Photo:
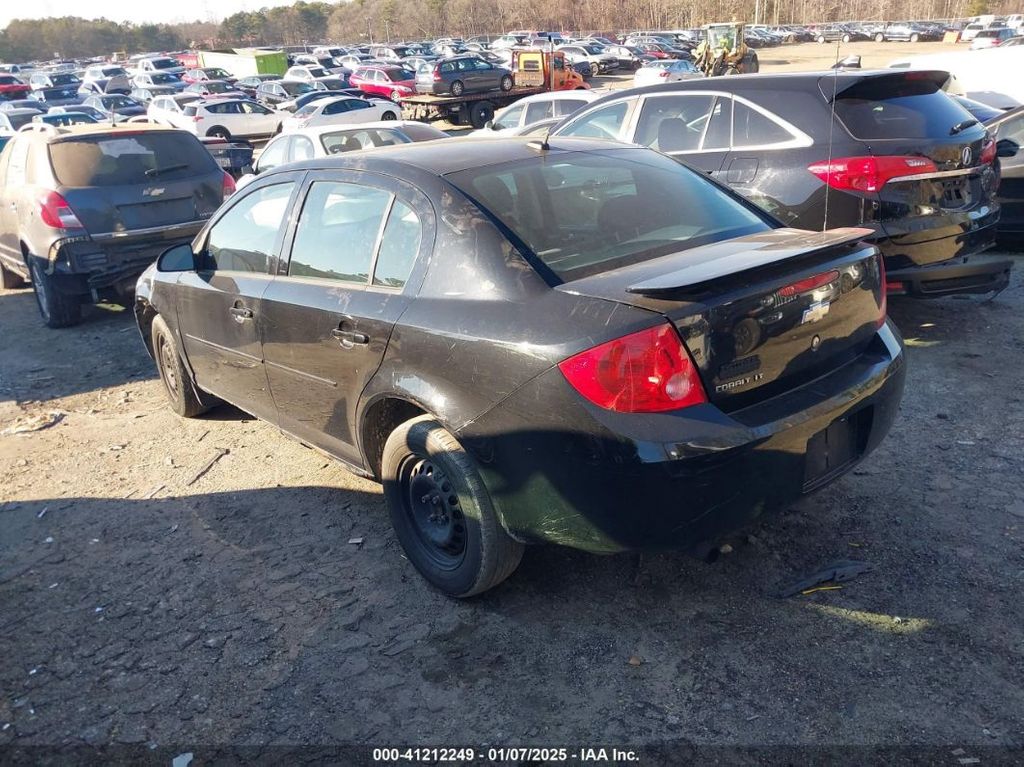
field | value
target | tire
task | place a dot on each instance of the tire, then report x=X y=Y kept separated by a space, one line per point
x=57 y=309
x=182 y=395
x=821 y=38
x=481 y=113
x=915 y=37
x=457 y=88
x=396 y=96
x=846 y=38
x=442 y=513
x=10 y=280
x=389 y=115
x=879 y=38
x=219 y=132
x=507 y=83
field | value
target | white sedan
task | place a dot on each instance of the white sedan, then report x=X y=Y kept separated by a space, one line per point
x=344 y=110
x=665 y=71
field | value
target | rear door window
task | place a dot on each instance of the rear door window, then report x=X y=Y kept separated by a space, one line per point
x=903 y=107
x=140 y=158
x=673 y=123
x=539 y=110
x=338 y=231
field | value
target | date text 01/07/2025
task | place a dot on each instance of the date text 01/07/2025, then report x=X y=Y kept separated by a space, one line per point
x=502 y=754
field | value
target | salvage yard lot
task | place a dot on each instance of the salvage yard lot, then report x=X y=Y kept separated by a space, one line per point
x=144 y=601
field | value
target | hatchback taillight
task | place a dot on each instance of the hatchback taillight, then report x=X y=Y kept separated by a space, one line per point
x=663 y=73
x=228 y=185
x=55 y=212
x=437 y=75
x=988 y=151
x=869 y=174
x=649 y=371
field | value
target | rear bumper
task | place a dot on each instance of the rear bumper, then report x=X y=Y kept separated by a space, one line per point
x=88 y=263
x=605 y=482
x=978 y=274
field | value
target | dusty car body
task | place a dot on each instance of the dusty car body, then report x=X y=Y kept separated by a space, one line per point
x=634 y=376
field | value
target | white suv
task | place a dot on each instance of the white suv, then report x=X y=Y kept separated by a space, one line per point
x=227 y=118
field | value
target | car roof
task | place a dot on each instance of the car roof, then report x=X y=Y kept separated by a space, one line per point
x=320 y=130
x=100 y=129
x=438 y=159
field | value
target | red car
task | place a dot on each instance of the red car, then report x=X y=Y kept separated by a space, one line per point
x=13 y=88
x=389 y=81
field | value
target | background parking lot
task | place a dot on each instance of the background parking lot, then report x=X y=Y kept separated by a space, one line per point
x=147 y=602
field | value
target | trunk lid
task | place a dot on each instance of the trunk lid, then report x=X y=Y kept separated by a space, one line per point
x=763 y=313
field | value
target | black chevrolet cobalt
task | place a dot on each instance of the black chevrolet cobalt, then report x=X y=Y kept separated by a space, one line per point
x=581 y=343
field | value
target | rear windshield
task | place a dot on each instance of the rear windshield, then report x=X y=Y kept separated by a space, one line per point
x=64 y=80
x=164 y=63
x=887 y=107
x=18 y=120
x=583 y=213
x=126 y=159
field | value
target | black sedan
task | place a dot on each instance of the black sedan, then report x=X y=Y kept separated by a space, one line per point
x=582 y=343
x=884 y=149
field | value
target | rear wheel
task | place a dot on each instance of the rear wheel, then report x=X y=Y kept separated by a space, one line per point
x=442 y=513
x=182 y=395
x=879 y=38
x=396 y=96
x=457 y=88
x=821 y=38
x=219 y=132
x=507 y=83
x=481 y=113
x=389 y=116
x=915 y=37
x=57 y=309
x=846 y=38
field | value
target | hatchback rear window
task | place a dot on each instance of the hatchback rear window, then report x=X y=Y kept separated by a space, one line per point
x=585 y=213
x=129 y=158
x=904 y=108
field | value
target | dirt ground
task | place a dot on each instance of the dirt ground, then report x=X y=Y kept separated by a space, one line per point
x=141 y=603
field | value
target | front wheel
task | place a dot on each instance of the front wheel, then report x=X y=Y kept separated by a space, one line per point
x=457 y=88
x=846 y=38
x=182 y=395
x=915 y=37
x=442 y=513
x=821 y=38
x=507 y=83
x=879 y=38
x=396 y=96
x=57 y=309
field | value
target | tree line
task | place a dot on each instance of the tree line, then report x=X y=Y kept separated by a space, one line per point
x=360 y=21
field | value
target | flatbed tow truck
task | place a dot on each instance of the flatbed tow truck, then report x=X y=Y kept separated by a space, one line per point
x=534 y=71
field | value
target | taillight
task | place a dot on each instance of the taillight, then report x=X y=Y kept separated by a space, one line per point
x=228 y=185
x=988 y=151
x=663 y=73
x=437 y=75
x=55 y=212
x=811 y=283
x=645 y=372
x=869 y=174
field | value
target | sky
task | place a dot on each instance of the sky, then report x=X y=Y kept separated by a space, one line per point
x=132 y=10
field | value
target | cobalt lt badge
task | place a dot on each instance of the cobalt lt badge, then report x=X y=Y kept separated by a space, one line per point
x=815 y=343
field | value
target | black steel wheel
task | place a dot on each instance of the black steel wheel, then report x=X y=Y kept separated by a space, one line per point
x=185 y=400
x=481 y=113
x=442 y=512
x=58 y=309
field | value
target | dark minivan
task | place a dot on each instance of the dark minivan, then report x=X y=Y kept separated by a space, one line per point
x=887 y=150
x=85 y=208
x=573 y=342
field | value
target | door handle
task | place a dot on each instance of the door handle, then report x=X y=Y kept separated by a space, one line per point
x=240 y=313
x=349 y=338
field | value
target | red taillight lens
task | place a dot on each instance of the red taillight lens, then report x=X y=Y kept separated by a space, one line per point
x=663 y=73
x=229 y=185
x=811 y=283
x=988 y=152
x=55 y=212
x=868 y=174
x=645 y=372
x=437 y=75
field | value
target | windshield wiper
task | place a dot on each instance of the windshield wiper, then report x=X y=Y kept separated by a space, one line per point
x=962 y=126
x=166 y=169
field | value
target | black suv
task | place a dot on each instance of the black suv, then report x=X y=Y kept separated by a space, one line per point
x=85 y=209
x=896 y=155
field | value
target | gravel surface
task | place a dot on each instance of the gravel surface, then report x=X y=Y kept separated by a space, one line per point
x=143 y=603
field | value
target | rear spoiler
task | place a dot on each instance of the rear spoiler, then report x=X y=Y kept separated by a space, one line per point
x=721 y=259
x=844 y=80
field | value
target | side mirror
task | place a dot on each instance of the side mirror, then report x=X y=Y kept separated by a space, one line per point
x=489 y=125
x=248 y=170
x=178 y=258
x=1007 y=148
